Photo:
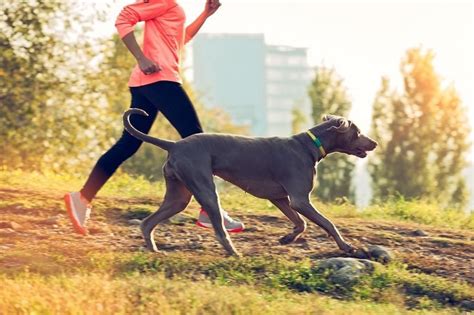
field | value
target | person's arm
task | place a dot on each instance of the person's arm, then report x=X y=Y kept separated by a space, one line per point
x=193 y=28
x=125 y=23
x=146 y=65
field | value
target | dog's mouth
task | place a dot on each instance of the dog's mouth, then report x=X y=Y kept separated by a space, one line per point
x=360 y=153
x=357 y=152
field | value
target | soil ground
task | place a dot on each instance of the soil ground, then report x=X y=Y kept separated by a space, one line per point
x=43 y=232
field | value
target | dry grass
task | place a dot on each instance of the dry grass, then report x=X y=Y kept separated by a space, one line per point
x=46 y=269
x=154 y=294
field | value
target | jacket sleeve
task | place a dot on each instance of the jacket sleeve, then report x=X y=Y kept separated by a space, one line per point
x=142 y=10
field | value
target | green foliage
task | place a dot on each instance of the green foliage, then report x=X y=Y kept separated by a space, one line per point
x=329 y=96
x=420 y=211
x=62 y=96
x=298 y=120
x=423 y=136
x=48 y=114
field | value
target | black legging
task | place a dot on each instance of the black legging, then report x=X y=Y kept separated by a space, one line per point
x=164 y=96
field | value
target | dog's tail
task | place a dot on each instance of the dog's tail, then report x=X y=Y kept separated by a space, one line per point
x=164 y=144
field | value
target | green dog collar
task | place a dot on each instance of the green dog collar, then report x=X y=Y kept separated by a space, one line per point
x=317 y=143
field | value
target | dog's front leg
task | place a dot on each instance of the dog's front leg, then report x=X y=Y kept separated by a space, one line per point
x=222 y=235
x=210 y=202
x=305 y=207
x=300 y=224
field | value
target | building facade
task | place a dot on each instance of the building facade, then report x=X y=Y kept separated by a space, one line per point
x=257 y=84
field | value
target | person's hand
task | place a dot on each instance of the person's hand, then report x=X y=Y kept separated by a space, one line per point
x=211 y=7
x=148 y=66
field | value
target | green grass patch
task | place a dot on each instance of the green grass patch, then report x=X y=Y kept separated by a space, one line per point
x=420 y=212
x=275 y=273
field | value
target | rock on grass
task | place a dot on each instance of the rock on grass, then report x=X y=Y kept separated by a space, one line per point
x=345 y=271
x=380 y=253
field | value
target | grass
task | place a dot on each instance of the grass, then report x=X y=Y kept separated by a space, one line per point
x=68 y=278
x=304 y=276
x=144 y=283
x=156 y=294
x=125 y=186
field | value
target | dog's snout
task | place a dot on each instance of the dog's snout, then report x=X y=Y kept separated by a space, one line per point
x=373 y=144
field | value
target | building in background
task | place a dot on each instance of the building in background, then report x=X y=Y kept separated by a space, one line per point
x=257 y=84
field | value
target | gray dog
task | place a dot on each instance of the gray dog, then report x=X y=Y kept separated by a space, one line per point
x=278 y=169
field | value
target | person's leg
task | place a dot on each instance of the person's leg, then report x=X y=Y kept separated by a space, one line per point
x=123 y=149
x=174 y=103
x=77 y=203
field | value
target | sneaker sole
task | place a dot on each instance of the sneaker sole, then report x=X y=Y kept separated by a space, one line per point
x=77 y=227
x=209 y=226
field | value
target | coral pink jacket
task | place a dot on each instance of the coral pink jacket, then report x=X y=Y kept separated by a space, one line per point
x=164 y=37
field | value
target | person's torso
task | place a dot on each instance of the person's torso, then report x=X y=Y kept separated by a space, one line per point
x=163 y=42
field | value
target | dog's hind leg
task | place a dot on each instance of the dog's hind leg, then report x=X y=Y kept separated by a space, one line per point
x=300 y=224
x=176 y=199
x=201 y=184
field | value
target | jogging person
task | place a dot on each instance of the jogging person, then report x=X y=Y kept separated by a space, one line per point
x=155 y=86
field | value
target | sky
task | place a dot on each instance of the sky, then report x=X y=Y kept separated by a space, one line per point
x=362 y=40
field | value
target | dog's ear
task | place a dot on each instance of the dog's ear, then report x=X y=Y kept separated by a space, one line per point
x=342 y=124
x=327 y=117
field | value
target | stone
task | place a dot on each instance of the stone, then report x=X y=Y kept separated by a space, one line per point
x=380 y=253
x=420 y=233
x=134 y=222
x=345 y=271
x=467 y=304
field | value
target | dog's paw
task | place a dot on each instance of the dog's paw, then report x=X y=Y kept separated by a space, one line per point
x=361 y=253
x=235 y=254
x=348 y=248
x=150 y=250
x=150 y=246
x=287 y=239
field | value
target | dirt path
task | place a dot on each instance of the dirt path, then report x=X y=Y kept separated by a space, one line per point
x=44 y=234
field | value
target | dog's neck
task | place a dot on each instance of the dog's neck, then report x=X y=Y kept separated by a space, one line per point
x=324 y=136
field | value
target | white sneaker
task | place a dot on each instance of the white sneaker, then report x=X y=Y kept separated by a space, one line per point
x=78 y=210
x=231 y=225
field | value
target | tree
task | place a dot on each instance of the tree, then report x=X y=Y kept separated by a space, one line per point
x=423 y=136
x=48 y=113
x=298 y=120
x=329 y=96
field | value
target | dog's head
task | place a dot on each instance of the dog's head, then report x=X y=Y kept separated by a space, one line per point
x=347 y=138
